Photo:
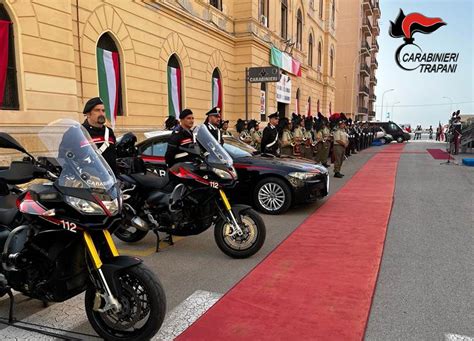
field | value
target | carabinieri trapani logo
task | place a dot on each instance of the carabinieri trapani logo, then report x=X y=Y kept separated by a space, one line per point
x=410 y=56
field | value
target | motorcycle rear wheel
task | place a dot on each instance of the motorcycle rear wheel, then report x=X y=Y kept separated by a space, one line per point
x=143 y=303
x=248 y=244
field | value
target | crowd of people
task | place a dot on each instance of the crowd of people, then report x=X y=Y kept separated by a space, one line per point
x=318 y=138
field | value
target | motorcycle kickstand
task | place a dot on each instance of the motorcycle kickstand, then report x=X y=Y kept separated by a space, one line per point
x=12 y=302
x=157 y=240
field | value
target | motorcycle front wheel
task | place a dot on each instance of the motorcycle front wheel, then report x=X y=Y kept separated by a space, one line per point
x=246 y=245
x=143 y=304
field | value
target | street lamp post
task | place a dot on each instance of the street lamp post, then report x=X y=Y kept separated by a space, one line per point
x=392 y=112
x=451 y=101
x=381 y=109
x=353 y=79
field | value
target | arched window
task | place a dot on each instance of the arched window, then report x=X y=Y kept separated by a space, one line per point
x=299 y=29
x=284 y=19
x=216 y=89
x=174 y=86
x=216 y=3
x=333 y=13
x=309 y=107
x=318 y=106
x=310 y=50
x=109 y=74
x=321 y=8
x=297 y=103
x=8 y=78
x=330 y=108
x=331 y=62
x=320 y=55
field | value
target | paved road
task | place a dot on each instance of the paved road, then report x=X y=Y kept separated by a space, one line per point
x=425 y=288
x=192 y=264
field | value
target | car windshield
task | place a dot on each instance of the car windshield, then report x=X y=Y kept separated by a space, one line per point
x=238 y=148
x=81 y=164
x=216 y=154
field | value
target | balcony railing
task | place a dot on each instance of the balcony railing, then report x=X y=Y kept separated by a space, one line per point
x=364 y=47
x=373 y=80
x=364 y=89
x=364 y=68
x=376 y=8
x=374 y=62
x=366 y=25
x=363 y=110
x=367 y=6
x=375 y=45
x=373 y=97
x=376 y=28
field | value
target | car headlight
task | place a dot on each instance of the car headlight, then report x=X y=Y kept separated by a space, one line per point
x=84 y=206
x=302 y=175
x=222 y=174
x=111 y=206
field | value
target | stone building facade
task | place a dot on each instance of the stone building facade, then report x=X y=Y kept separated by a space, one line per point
x=54 y=44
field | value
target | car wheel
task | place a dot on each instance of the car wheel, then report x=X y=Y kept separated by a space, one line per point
x=400 y=139
x=272 y=196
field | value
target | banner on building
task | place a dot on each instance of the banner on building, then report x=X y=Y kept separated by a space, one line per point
x=174 y=91
x=216 y=93
x=4 y=35
x=108 y=68
x=283 y=93
x=285 y=61
x=262 y=102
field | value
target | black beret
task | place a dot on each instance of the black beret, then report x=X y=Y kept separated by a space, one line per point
x=213 y=112
x=185 y=113
x=91 y=104
x=274 y=115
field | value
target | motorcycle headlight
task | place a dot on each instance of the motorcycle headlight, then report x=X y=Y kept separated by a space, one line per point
x=111 y=206
x=302 y=175
x=84 y=206
x=222 y=174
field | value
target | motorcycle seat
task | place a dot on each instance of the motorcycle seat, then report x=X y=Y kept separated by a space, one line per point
x=151 y=181
x=7 y=215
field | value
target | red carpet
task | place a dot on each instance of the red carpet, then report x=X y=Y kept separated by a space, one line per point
x=317 y=284
x=439 y=154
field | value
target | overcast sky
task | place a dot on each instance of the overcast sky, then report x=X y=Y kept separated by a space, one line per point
x=421 y=94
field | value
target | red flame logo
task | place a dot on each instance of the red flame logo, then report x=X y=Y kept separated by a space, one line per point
x=406 y=26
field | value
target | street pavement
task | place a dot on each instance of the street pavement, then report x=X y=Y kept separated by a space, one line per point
x=425 y=289
x=425 y=285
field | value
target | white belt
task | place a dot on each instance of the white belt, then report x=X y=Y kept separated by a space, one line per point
x=106 y=143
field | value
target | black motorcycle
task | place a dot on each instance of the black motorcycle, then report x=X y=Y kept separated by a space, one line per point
x=190 y=201
x=63 y=246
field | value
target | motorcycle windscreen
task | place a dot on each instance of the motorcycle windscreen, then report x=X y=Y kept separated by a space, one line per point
x=216 y=153
x=75 y=151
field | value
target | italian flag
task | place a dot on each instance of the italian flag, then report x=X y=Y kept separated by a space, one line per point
x=108 y=68
x=285 y=61
x=4 y=30
x=216 y=93
x=174 y=91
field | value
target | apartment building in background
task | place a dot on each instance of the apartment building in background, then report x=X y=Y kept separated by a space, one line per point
x=356 y=66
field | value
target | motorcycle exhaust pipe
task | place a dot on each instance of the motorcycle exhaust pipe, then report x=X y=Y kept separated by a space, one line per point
x=140 y=224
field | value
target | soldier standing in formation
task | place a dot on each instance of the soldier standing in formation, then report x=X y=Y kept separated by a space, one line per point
x=307 y=146
x=212 y=123
x=255 y=133
x=225 y=129
x=242 y=129
x=269 y=143
x=286 y=141
x=341 y=142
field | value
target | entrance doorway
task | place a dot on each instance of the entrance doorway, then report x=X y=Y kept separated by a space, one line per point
x=281 y=107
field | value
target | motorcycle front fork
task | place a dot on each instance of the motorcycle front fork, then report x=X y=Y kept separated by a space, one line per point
x=235 y=225
x=111 y=302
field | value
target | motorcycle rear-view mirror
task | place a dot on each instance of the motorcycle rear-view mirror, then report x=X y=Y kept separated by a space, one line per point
x=8 y=142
